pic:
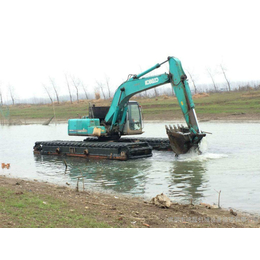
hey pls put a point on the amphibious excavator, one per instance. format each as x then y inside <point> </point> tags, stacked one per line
<point>107,126</point>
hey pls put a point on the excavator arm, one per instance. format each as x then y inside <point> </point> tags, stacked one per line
<point>118,108</point>
<point>136,84</point>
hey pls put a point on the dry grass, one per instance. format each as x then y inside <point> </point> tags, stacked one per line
<point>213,106</point>
<point>35,204</point>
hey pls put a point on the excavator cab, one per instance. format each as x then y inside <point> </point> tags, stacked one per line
<point>134,123</point>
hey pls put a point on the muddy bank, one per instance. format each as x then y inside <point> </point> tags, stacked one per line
<point>122,211</point>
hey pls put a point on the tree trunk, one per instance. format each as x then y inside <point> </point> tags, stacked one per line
<point>76,87</point>
<point>195,88</point>
<point>84,89</point>
<point>214,84</point>
<point>55,90</point>
<point>229,88</point>
<point>68,85</point>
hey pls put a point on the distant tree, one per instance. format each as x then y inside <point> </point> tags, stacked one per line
<point>101,87</point>
<point>108,87</point>
<point>211,76</point>
<point>145,94</point>
<point>223,71</point>
<point>76,83</point>
<point>156,93</point>
<point>68,85</point>
<point>1,97</point>
<point>55,89</point>
<point>85,91</point>
<point>193,82</point>
<point>48,93</point>
<point>11,91</point>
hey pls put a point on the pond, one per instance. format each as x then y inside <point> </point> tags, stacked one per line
<point>229,162</point>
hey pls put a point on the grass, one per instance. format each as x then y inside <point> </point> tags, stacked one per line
<point>28,210</point>
<point>216,103</point>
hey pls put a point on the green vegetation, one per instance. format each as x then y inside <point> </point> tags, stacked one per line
<point>29,210</point>
<point>224,103</point>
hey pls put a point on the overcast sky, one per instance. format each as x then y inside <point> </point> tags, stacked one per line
<point>92,40</point>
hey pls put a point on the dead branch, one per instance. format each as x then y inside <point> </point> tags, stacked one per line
<point>218,197</point>
<point>11,91</point>
<point>48,93</point>
<point>108,87</point>
<point>211,76</point>
<point>1,97</point>
<point>55,89</point>
<point>66,165</point>
<point>85,91</point>
<point>68,85</point>
<point>101,86</point>
<point>193,82</point>
<point>76,85</point>
<point>223,71</point>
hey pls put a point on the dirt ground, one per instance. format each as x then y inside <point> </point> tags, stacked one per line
<point>124,211</point>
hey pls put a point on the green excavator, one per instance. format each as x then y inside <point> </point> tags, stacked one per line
<point>107,126</point>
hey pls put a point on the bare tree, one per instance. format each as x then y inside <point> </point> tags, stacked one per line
<point>1,97</point>
<point>68,85</point>
<point>85,91</point>
<point>48,93</point>
<point>51,99</point>
<point>76,85</point>
<point>55,89</point>
<point>11,91</point>
<point>223,70</point>
<point>156,93</point>
<point>193,82</point>
<point>108,87</point>
<point>101,86</point>
<point>211,76</point>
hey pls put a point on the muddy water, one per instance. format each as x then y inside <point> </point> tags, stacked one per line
<point>230,163</point>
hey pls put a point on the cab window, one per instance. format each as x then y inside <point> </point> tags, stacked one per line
<point>134,117</point>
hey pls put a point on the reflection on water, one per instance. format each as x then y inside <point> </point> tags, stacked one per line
<point>229,163</point>
<point>187,179</point>
<point>183,179</point>
<point>119,176</point>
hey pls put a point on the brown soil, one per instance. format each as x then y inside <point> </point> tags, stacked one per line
<point>122,211</point>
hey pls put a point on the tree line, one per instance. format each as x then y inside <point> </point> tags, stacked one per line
<point>77,89</point>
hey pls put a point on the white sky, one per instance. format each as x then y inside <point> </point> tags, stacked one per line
<point>95,39</point>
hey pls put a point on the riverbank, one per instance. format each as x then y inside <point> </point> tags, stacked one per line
<point>253,118</point>
<point>27,203</point>
<point>235,105</point>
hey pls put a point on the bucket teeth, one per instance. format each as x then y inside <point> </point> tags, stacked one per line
<point>181,139</point>
<point>174,128</point>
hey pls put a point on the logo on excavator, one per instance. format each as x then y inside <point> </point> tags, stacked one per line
<point>151,81</point>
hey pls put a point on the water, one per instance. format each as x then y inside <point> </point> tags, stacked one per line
<point>230,163</point>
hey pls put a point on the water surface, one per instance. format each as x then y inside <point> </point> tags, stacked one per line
<point>230,163</point>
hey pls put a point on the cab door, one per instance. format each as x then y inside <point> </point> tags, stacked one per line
<point>133,125</point>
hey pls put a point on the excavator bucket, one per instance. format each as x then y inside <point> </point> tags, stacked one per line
<point>182,140</point>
